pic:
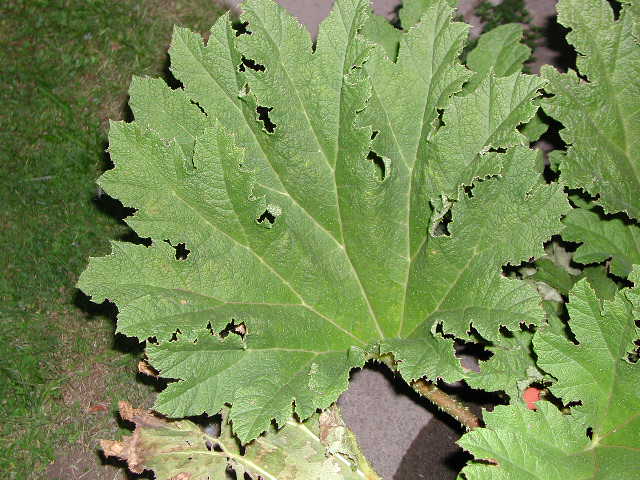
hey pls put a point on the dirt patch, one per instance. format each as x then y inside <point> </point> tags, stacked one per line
<point>97,377</point>
<point>90,408</point>
<point>83,462</point>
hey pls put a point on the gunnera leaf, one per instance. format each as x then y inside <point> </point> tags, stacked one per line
<point>309,187</point>
<point>598,437</point>
<point>598,106</point>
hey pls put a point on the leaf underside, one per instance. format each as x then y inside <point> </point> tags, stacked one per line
<point>308,187</point>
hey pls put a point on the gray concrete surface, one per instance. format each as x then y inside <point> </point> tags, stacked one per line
<point>384,416</point>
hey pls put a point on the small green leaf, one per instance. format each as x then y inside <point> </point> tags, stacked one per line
<point>553,275</point>
<point>601,283</point>
<point>379,30</point>
<point>533,445</point>
<point>603,239</point>
<point>511,367</point>
<point>499,50</point>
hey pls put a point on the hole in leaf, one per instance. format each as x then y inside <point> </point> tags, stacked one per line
<point>505,332</point>
<point>241,28</point>
<point>438,122</point>
<point>525,327</point>
<point>441,229</point>
<point>634,355</point>
<point>266,216</point>
<point>477,351</point>
<point>497,150</point>
<point>374,134</point>
<point>269,216</point>
<point>616,7</point>
<point>517,271</point>
<point>440,331</point>
<point>468,190</point>
<point>550,174</point>
<point>263,116</point>
<point>212,427</point>
<point>590,433</point>
<point>251,64</point>
<point>181,251</point>
<point>379,163</point>
<point>199,108</point>
<point>239,329</point>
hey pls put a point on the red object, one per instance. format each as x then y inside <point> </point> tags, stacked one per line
<point>100,407</point>
<point>531,395</point>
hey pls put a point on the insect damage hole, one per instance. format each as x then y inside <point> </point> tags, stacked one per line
<point>247,63</point>
<point>263,116</point>
<point>440,227</point>
<point>182,252</point>
<point>269,216</point>
<point>378,161</point>
<point>241,28</point>
<point>239,329</point>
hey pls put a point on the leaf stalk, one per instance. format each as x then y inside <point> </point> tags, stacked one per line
<point>447,403</point>
<point>443,401</point>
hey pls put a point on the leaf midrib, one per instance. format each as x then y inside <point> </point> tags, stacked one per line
<point>354,270</point>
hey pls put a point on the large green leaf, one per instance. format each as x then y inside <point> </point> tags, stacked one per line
<point>600,437</point>
<point>600,115</point>
<point>312,247</point>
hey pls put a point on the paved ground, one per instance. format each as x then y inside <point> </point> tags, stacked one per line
<point>393,425</point>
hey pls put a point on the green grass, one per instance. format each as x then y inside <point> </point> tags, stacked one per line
<point>65,66</point>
